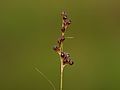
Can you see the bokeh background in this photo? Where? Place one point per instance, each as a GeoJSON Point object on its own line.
{"type": "Point", "coordinates": [30, 28]}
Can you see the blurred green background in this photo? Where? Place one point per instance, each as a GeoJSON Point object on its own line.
{"type": "Point", "coordinates": [30, 28]}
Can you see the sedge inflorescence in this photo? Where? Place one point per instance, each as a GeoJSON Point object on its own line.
{"type": "Point", "coordinates": [59, 47]}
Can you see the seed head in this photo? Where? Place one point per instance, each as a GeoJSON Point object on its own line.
{"type": "Point", "coordinates": [58, 48]}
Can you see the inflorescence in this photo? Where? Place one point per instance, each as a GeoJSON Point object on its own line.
{"type": "Point", "coordinates": [59, 47]}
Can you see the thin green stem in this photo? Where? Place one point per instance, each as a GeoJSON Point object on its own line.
{"type": "Point", "coordinates": [61, 69]}
{"type": "Point", "coordinates": [61, 75]}
{"type": "Point", "coordinates": [50, 82]}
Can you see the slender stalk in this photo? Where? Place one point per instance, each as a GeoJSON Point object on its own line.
{"type": "Point", "coordinates": [61, 68]}
{"type": "Point", "coordinates": [61, 76]}
{"type": "Point", "coordinates": [64, 57]}
{"type": "Point", "coordinates": [49, 81]}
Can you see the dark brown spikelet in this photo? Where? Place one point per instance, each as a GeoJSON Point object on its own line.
{"type": "Point", "coordinates": [68, 55]}
{"type": "Point", "coordinates": [65, 55]}
{"type": "Point", "coordinates": [63, 29]}
{"type": "Point", "coordinates": [62, 54]}
{"type": "Point", "coordinates": [69, 22]}
{"type": "Point", "coordinates": [71, 62]}
{"type": "Point", "coordinates": [64, 17]}
{"type": "Point", "coordinates": [64, 61]}
{"type": "Point", "coordinates": [56, 48]}
{"type": "Point", "coordinates": [61, 39]}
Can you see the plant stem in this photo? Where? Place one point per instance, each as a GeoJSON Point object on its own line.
{"type": "Point", "coordinates": [64, 57]}
{"type": "Point", "coordinates": [61, 69]}
{"type": "Point", "coordinates": [61, 75]}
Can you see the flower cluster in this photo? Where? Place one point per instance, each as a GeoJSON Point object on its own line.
{"type": "Point", "coordinates": [66, 58]}
{"type": "Point", "coordinates": [59, 47]}
{"type": "Point", "coordinates": [65, 22]}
